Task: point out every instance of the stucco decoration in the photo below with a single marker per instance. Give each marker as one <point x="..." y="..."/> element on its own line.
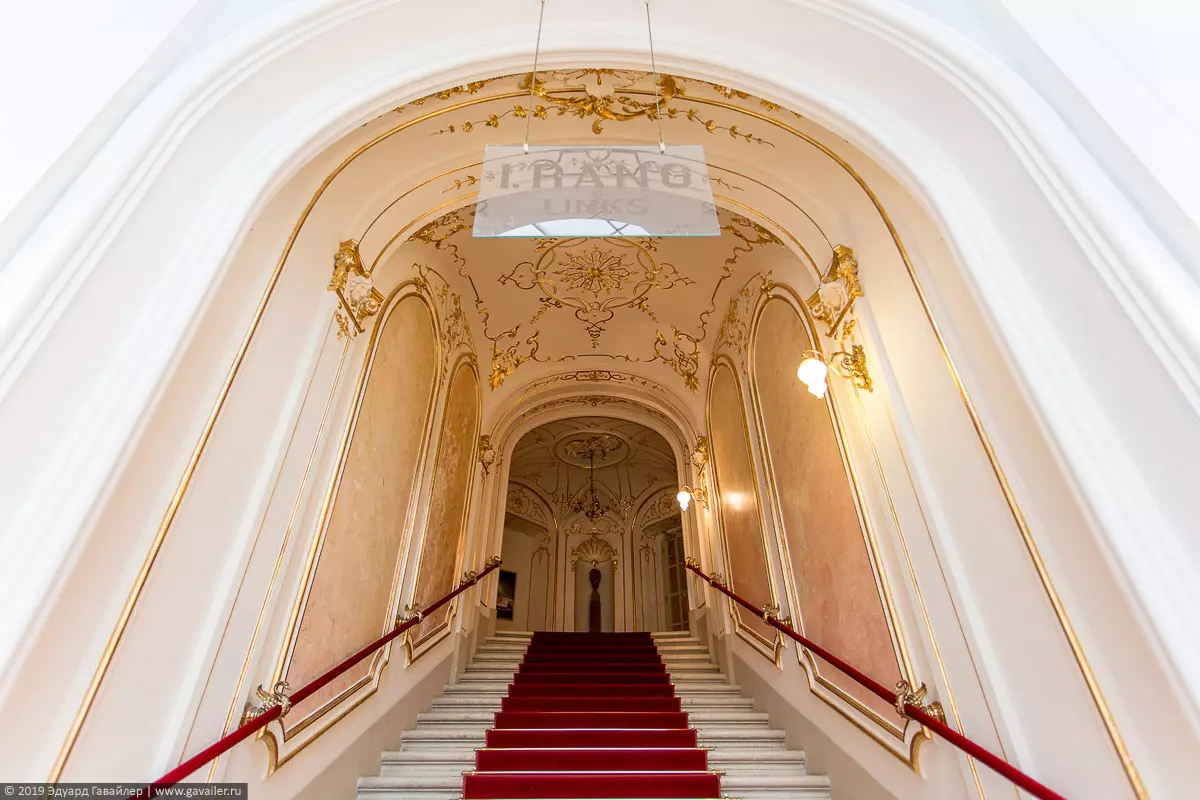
<point x="451" y="488"/>
<point x="348" y="604"/>
<point x="839" y="601"/>
<point x="741" y="519"/>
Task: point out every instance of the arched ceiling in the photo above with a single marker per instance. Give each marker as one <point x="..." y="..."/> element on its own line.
<point x="638" y="311"/>
<point x="632" y="464"/>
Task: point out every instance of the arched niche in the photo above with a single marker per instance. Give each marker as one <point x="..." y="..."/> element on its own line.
<point x="351" y="582"/>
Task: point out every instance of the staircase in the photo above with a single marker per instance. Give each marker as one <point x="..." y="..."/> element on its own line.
<point x="560" y="715"/>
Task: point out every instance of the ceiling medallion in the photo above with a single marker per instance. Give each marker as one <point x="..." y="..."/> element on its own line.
<point x="592" y="281"/>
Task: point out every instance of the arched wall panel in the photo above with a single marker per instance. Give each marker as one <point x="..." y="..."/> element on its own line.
<point x="448" y="498"/>
<point x="737" y="498"/>
<point x="349" y="600"/>
<point x="831" y="565"/>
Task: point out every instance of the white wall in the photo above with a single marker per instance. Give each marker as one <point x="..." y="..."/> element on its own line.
<point x="517" y="553"/>
<point x="135" y="302"/>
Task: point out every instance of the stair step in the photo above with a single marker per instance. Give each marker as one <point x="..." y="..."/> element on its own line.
<point x="539" y="681"/>
<point x="692" y="784"/>
<point x="604" y="759"/>
<point x="773" y="787"/>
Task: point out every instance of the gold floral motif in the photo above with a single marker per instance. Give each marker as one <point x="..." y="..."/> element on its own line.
<point x="461" y="183"/>
<point x="467" y="88"/>
<point x="594" y="271"/>
<point x="615" y="106"/>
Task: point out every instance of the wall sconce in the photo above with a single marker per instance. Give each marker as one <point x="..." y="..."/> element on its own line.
<point x="813" y="371"/>
<point x="684" y="498"/>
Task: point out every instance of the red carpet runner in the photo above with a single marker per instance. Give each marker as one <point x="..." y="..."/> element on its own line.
<point x="591" y="715"/>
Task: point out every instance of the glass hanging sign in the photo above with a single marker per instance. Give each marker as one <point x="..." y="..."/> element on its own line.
<point x="572" y="190"/>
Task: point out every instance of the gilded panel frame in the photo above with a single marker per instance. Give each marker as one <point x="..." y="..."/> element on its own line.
<point x="415" y="649"/>
<point x="902" y="741"/>
<point x="772" y="650"/>
<point x="358" y="692"/>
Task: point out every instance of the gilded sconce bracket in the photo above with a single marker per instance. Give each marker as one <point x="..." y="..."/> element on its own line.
<point x="906" y="696"/>
<point x="357" y="296"/>
<point x="852" y="365"/>
<point x="267" y="701"/>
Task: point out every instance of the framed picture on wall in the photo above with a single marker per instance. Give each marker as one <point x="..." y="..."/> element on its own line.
<point x="506" y="593"/>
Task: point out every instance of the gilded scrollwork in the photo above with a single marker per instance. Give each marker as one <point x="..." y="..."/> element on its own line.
<point x="852" y="364"/>
<point x="357" y="296"/>
<point x="467" y="88"/>
<point x="455" y="329"/>
<point x="684" y="354"/>
<point x="734" y="333"/>
<point x="593" y="376"/>
<point x="683" y="358"/>
<point x="621" y="103"/>
<point x="595" y="281"/>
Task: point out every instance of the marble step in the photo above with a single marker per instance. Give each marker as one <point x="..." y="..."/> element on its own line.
<point x="440" y="763"/>
<point x="758" y="760"/>
<point x="498" y="653"/>
<point x="766" y="786"/>
<point x="705" y="719"/>
<point x="492" y="702"/>
<point x="443" y="737"/>
<point x="719" y="739"/>
<point x="411" y="787"/>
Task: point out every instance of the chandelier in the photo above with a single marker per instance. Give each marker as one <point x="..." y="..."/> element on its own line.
<point x="590" y="506"/>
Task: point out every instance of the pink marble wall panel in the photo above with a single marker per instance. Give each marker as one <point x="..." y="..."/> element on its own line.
<point x="448" y="497"/>
<point x="347" y="606"/>
<point x="740" y="514"/>
<point x="839" y="599"/>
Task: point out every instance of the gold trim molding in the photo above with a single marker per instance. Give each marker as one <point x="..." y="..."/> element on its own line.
<point x="473" y="99"/>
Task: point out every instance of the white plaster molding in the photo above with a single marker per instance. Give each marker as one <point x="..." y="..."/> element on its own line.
<point x="78" y="245"/>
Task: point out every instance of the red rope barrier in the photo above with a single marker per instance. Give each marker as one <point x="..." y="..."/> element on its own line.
<point x="228" y="742"/>
<point x="1002" y="767"/>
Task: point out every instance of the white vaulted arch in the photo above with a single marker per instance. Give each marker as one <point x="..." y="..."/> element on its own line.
<point x="187" y="188"/>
